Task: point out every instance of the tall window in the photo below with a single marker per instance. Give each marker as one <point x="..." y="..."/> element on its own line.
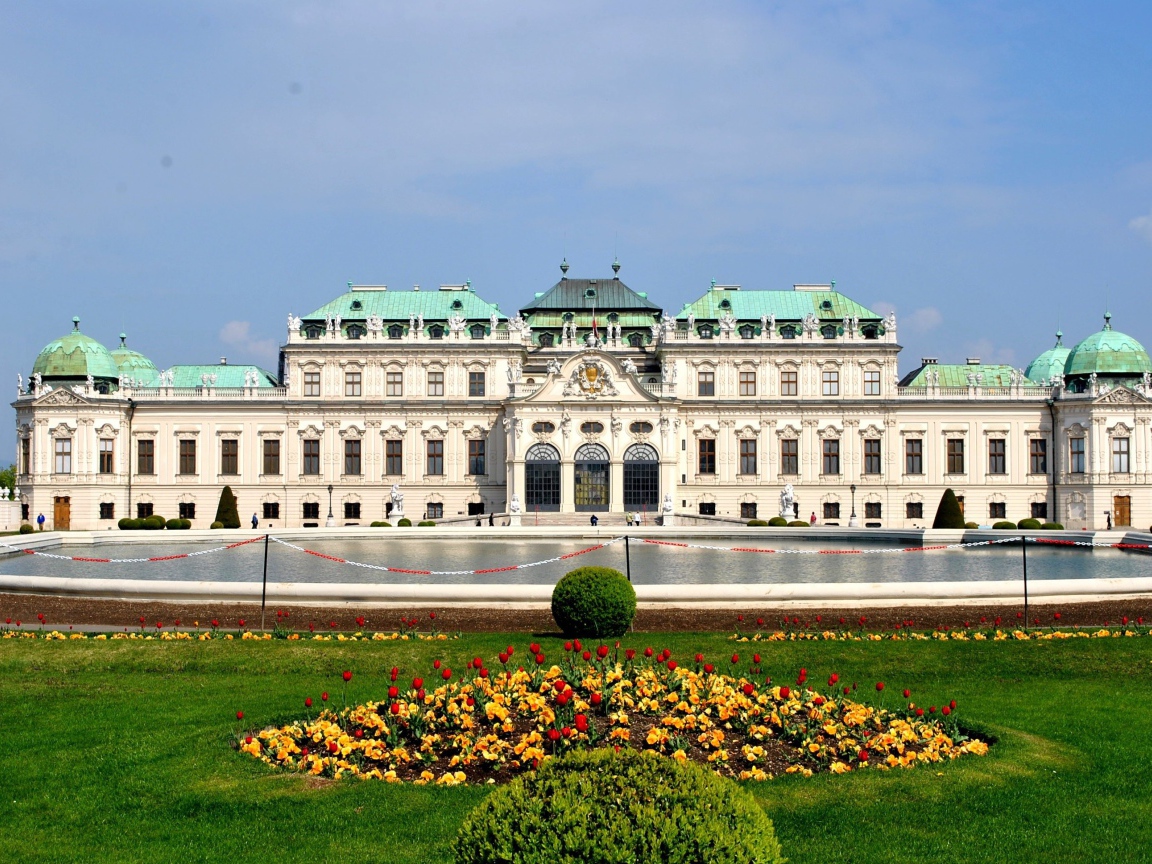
<point x="871" y="455"/>
<point x="1119" y="455"/>
<point x="873" y="510"/>
<point x="475" y="383"/>
<point x="229" y="456"/>
<point x="435" y="383"/>
<point x="311" y="455"/>
<point x="351" y="509"/>
<point x="186" y="509"/>
<point x="914" y="456"/>
<point x="747" y="455"/>
<point x="63" y="455"/>
<point x="789" y="382"/>
<point x="997" y="461"/>
<point x="352" y="457"/>
<point x="830" y="382"/>
<point x="831" y="509"/>
<point x="188" y="456"/>
<point x="395" y="383"/>
<point x="435" y="457"/>
<point x="271" y="509"/>
<point x="707" y="453"/>
<point x="311" y="383"/>
<point x="1038" y="455"/>
<point x="352" y="383"/>
<point x="106" y="451"/>
<point x="871" y="382"/>
<point x="271" y="455"/>
<point x="435" y="510"/>
<point x="997" y="510"/>
<point x="706" y="383"/>
<point x="394" y="457"/>
<point x="914" y="510"/>
<point x="107" y="510"/>
<point x="143" y="509"/>
<point x="955" y="455"/>
<point x="831" y="456"/>
<point x="1076" y="455"/>
<point x="146" y="456"/>
<point x="311" y="510"/>
<point x="789" y="456"/>
<point x="25" y="455"/>
<point x="747" y="383"/>
<point x="476" y="457"/>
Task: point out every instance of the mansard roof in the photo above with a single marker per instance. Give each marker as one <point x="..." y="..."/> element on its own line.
<point x="794" y="305"/>
<point x="360" y="302"/>
<point x="607" y="295"/>
<point x="956" y="375"/>
<point x="191" y="375"/>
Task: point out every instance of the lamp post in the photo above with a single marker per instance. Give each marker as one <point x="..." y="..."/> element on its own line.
<point x="852" y="521"/>
<point x="331" y="523"/>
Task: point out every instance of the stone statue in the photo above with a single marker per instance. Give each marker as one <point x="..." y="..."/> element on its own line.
<point x="89" y="383"/>
<point x="666" y="507"/>
<point x="890" y="323"/>
<point x="516" y="322"/>
<point x="629" y="366"/>
<point x="811" y="324"/>
<point x="20" y="384"/>
<point x="375" y="324"/>
<point x="493" y="320"/>
<point x="668" y="370"/>
<point x="514" y="504"/>
<point x="691" y="321"/>
<point x="456" y="323"/>
<point x="420" y="322"/>
<point x="553" y="366"/>
<point x="397" y="497"/>
<point x="655" y="328"/>
<point x="37" y="382"/>
<point x="727" y="322"/>
<point x="787" y="501"/>
<point x="617" y="425"/>
<point x="412" y="323"/>
<point x="771" y="325"/>
<point x="565" y="423"/>
<point x="515" y="371"/>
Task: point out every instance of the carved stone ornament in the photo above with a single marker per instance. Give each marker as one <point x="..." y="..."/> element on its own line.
<point x="62" y="397"/>
<point x="1120" y="396"/>
<point x="591" y="379"/>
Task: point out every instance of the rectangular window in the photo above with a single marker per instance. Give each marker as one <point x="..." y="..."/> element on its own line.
<point x="871" y="382"/>
<point x="395" y="383"/>
<point x="435" y="510"/>
<point x="271" y="509"/>
<point x="747" y="455"/>
<point x="229" y="456"/>
<point x="955" y="455"/>
<point x="789" y="456"/>
<point x="747" y="383"/>
<point x="830" y="382"/>
<point x="1040" y="510"/>
<point x="107" y="510"/>
<point x="748" y="510"/>
<point x="271" y="455"/>
<point x="476" y="457"/>
<point x="707" y="508"/>
<point x="311" y="383"/>
<point x="351" y="457"/>
<point x="435" y="463"/>
<point x="831" y="456"/>
<point x="475" y="383"/>
<point x="435" y="383"/>
<point x="1076" y="455"/>
<point x="25" y="455"/>
<point x="311" y="463"/>
<point x="914" y="510"/>
<point x="707" y="453"/>
<point x="871" y="455"/>
<point x="106" y="451"/>
<point x="311" y="510"/>
<point x="143" y="509"/>
<point x="63" y="455"/>
<point x="914" y="456"/>
<point x="1119" y="456"/>
<point x="706" y="384"/>
<point x="186" y="509"/>
<point x="789" y="383"/>
<point x="873" y="510"/>
<point x="188" y="456"/>
<point x="997" y="459"/>
<point x="997" y="510"/>
<point x="352" y="383"/>
<point x="394" y="457"/>
<point x="146" y="456"/>
<point x="832" y="510"/>
<point x="1038" y="455"/>
<point x="351" y="509"/>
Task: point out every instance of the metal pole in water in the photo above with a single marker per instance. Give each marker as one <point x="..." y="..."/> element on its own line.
<point x="627" y="559"/>
<point x="264" y="583"/>
<point x="1024" y="560"/>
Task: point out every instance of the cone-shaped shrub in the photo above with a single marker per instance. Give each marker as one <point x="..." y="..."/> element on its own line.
<point x="226" y="512"/>
<point x="948" y="514"/>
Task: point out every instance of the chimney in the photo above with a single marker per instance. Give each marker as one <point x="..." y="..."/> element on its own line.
<point x="929" y="361"/>
<point x="973" y="361"/>
<point x="223" y="361"/>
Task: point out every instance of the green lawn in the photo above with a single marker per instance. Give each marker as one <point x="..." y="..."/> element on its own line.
<point x="120" y="752"/>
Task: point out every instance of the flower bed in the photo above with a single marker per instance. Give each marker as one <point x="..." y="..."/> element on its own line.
<point x="486" y="727"/>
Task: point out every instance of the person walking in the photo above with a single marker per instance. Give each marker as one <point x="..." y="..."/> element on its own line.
<point x="255" y="522"/>
<point x="40" y="520"/>
<point x="812" y="519"/>
<point x="628" y="517"/>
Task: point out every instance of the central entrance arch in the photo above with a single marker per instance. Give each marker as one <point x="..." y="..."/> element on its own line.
<point x="542" y="479"/>
<point x="592" y="464"/>
<point x="641" y="478"/>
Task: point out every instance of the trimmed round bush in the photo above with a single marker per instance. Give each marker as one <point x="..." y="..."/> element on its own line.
<point x="172" y="524"/>
<point x="1004" y="525"/>
<point x="426" y="523"/>
<point x="971" y="524"/>
<point x="602" y="806"/>
<point x="185" y="524"/>
<point x="598" y="602"/>
<point x="127" y="524"/>
<point x="757" y="523"/>
<point x="216" y="525"/>
<point x="379" y="524"/>
<point x="777" y="522"/>
<point x="404" y="522"/>
<point x="26" y="528"/>
<point x="1051" y="526"/>
<point x="1029" y="524"/>
<point x="797" y="523"/>
<point x="155" y="522"/>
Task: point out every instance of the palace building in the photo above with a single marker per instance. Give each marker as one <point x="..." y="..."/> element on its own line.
<point x="591" y="398"/>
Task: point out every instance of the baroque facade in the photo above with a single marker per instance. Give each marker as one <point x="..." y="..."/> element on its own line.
<point x="590" y="398"/>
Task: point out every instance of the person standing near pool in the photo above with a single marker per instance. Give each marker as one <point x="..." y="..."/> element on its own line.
<point x="40" y="520"/>
<point x="255" y="522"/>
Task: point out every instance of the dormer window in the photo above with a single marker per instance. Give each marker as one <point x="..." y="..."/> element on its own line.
<point x="636" y="340"/>
<point x="788" y="331"/>
<point x="613" y="317"/>
<point x="589" y="293"/>
<point x="725" y="304"/>
<point x="568" y="316"/>
<point x="827" y="304"/>
<point x="747" y="331"/>
<point x="706" y="331"/>
<point x="355" y="331"/>
<point x="396" y="331"/>
<point x="435" y="332"/>
<point x="547" y="340"/>
<point x="456" y="304"/>
<point x="870" y="331"/>
<point x="313" y="331"/>
<point x="357" y="305"/>
<point x="828" y="331"/>
<point x="477" y="331"/>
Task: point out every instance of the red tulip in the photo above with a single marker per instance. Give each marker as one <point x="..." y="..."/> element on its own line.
<point x="562" y="699"/>
<point x="576" y="644"/>
<point x="420" y="695"/>
<point x="248" y="739"/>
<point x="630" y="653"/>
<point x="919" y="712"/>
<point x="833" y="678"/>
<point x="324" y="696"/>
<point x="879" y="686"/>
<point x="360" y="621"/>
<point x="952" y="704"/>
<point x="503" y="657"/>
<point x="862" y="755"/>
<point x="785" y="692"/>
<point x="567" y="646"/>
<point x="756" y="659"/>
<point x="432" y="616"/>
<point x="539" y="658"/>
<point x="735" y="658"/>
<point x="308" y="702"/>
<point x="509" y="651"/>
<point x="708" y="668"/>
<point x="749" y="689"/>
<point x="417" y="683"/>
<point x="581" y="723"/>
<point x="587" y="655"/>
<point x="435" y="664"/>
<point x="394" y="708"/>
<point x="393" y="692"/>
<point x="566" y="731"/>
<point x="359" y="733"/>
<point x="553" y="734"/>
<point x="846" y="691"/>
<point x="347" y="675"/>
<point x="945" y="710"/>
<point x="672" y="665"/>
<point x="446" y="674"/>
<point x="907" y="692"/>
<point x="239" y="715"/>
<point x="332" y="747"/>
<point x="932" y="709"/>
<point x="534" y="648"/>
<point x="647" y="652"/>
<point x="241" y="622"/>
<point x="759" y="622"/>
<point x="483" y="673"/>
<point x="477" y="662"/>
<point x="699" y="658"/>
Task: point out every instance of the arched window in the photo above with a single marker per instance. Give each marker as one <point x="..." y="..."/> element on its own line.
<point x="747" y="331"/>
<point x="547" y="340"/>
<point x="436" y="332"/>
<point x="542" y="478"/>
<point x="313" y="331"/>
<point x="641" y="477"/>
<point x="591" y="468"/>
<point x="828" y="331"/>
<point x="870" y="331"/>
<point x="636" y="340"/>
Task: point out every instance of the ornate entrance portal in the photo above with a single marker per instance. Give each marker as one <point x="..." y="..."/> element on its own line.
<point x="592" y="464"/>
<point x="542" y="479"/>
<point x="641" y="478"/>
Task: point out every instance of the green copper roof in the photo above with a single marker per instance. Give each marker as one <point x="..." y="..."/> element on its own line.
<point x="398" y="305"/>
<point x="75" y="356"/>
<point x="133" y="364"/>
<point x="1108" y="352"/>
<point x="226" y="376"/>
<point x="583" y="319"/>
<point x="956" y="375"/>
<point x="785" y="305"/>
<point x="1049" y="364"/>
<point x="601" y="294"/>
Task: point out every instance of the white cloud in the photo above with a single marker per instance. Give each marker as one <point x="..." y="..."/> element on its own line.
<point x="917" y="322"/>
<point x="238" y="334"/>
<point x="1142" y="225"/>
<point x="989" y="353"/>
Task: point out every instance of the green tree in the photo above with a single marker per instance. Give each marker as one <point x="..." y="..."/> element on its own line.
<point x="7" y="480"/>
<point x="948" y="514"/>
<point x="226" y="512"/>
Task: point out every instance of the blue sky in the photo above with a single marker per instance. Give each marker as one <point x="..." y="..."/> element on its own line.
<point x="192" y="172"/>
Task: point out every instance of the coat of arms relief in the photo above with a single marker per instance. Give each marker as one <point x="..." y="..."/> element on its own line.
<point x="591" y="379"/>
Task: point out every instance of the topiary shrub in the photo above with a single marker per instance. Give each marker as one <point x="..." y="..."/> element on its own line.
<point x="1029" y="524"/>
<point x="1051" y="526"/>
<point x="127" y="524"/>
<point x="594" y="601"/>
<point x="404" y="522"/>
<point x="1004" y="525"/>
<point x="185" y="524"/>
<point x="216" y="525"/>
<point x="380" y="525"/>
<point x="173" y="525"/>
<point x="971" y="524"/>
<point x="797" y="523"/>
<point x="426" y="523"/>
<point x="757" y="523"/>
<point x="226" y="513"/>
<point x="603" y="806"/>
<point x="155" y="522"/>
<point x="948" y="514"/>
<point x="26" y="528"/>
<point x="777" y="522"/>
